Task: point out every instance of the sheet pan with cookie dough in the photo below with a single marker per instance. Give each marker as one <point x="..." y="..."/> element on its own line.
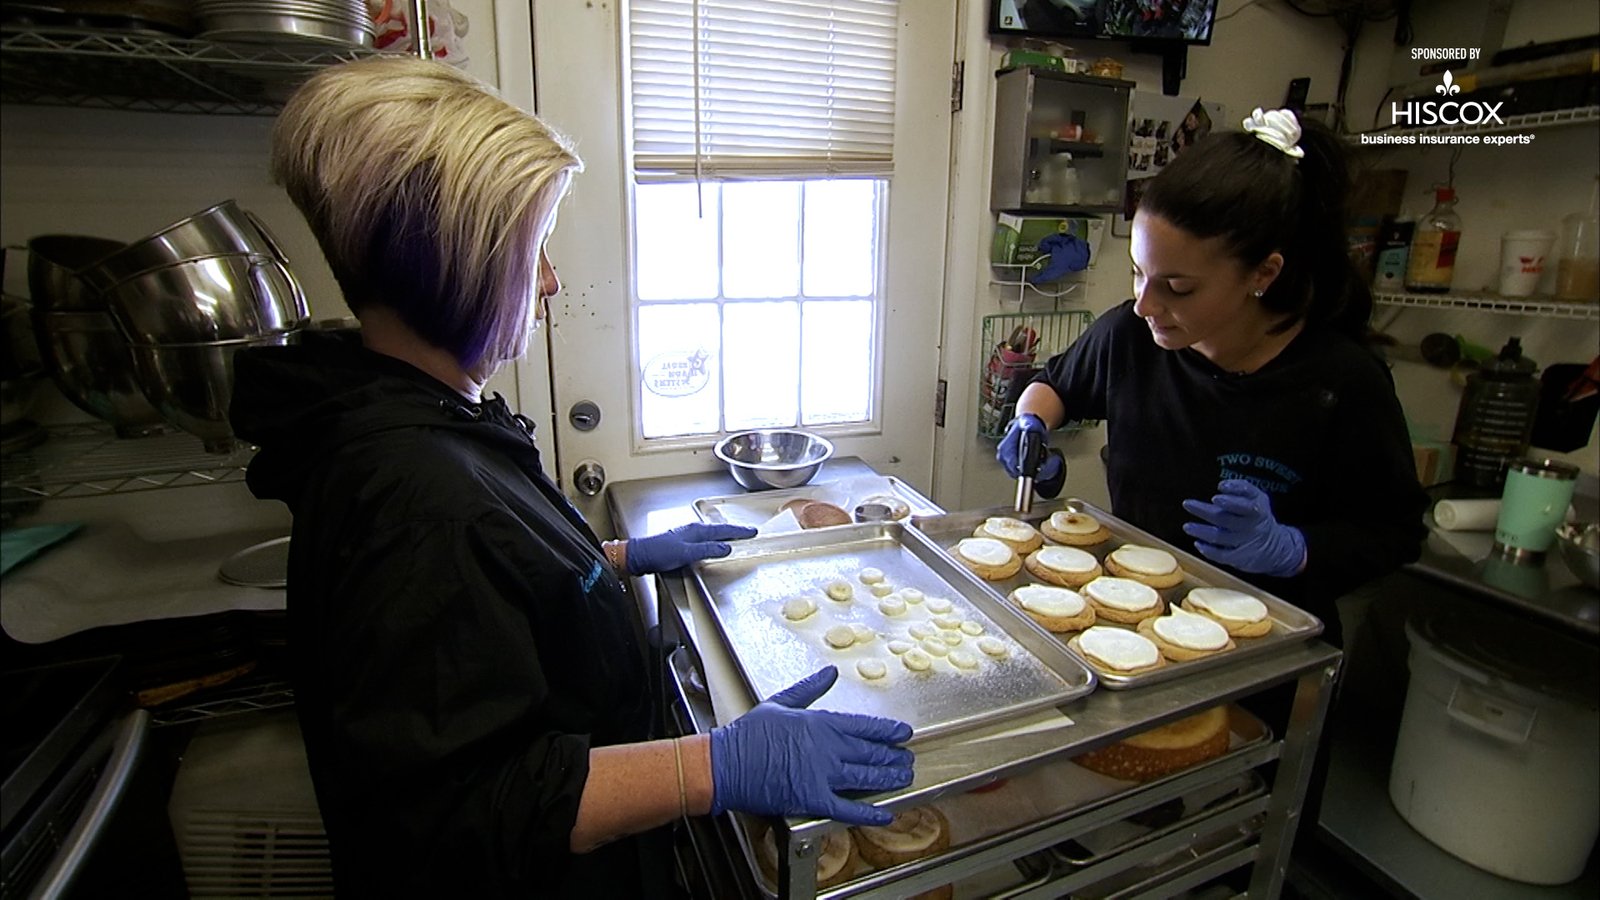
<point x="899" y="501"/>
<point x="1282" y="622"/>
<point x="915" y="636"/>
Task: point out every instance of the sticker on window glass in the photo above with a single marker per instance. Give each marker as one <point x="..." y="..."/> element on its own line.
<point x="677" y="373"/>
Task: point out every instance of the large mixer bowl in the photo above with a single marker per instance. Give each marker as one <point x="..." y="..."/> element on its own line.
<point x="192" y="384"/>
<point x="90" y="362"/>
<point x="222" y="230"/>
<point x="54" y="261"/>
<point x="220" y="298"/>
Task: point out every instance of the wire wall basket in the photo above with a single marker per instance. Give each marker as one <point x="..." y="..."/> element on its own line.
<point x="1014" y="348"/>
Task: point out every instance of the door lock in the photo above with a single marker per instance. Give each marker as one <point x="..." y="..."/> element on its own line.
<point x="589" y="478"/>
<point x="584" y="415"/>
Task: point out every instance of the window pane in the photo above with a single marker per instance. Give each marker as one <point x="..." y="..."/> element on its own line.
<point x="841" y="238"/>
<point x="762" y="354"/>
<point x="836" y="363"/>
<point x="761" y="239"/>
<point x="678" y="359"/>
<point x="676" y="246"/>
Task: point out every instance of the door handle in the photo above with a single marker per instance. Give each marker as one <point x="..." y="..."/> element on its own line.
<point x="589" y="478"/>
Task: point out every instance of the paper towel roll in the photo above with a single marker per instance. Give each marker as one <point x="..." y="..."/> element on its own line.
<point x="1466" y="515"/>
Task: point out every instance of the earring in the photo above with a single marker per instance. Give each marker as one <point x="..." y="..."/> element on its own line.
<point x="1257" y="294"/>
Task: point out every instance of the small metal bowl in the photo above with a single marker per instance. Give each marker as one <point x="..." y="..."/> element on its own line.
<point x="1580" y="547"/>
<point x="773" y="458"/>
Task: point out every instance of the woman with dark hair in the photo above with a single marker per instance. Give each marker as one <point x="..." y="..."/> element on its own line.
<point x="467" y="671"/>
<point x="1245" y="417"/>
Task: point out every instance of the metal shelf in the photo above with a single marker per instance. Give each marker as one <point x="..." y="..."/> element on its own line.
<point x="1523" y="306"/>
<point x="91" y="461"/>
<point x="153" y="73"/>
<point x="252" y="695"/>
<point x="1552" y="119"/>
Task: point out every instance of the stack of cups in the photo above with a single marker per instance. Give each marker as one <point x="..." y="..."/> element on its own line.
<point x="1522" y="256"/>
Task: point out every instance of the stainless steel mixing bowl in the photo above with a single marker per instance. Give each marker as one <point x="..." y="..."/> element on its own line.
<point x="1580" y="547"/>
<point x="89" y="360"/>
<point x="221" y="298"/>
<point x="192" y="384"/>
<point x="54" y="261"/>
<point x="222" y="230"/>
<point x="769" y="458"/>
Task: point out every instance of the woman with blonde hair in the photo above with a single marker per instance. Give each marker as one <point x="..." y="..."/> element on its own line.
<point x="468" y="672"/>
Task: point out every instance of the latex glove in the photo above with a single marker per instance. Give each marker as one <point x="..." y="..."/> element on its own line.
<point x="781" y="759"/>
<point x="1011" y="445"/>
<point x="682" y="545"/>
<point x="1242" y="532"/>
<point x="1068" y="253"/>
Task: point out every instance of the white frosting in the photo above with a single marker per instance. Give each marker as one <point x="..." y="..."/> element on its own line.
<point x="840" y="590"/>
<point x="869" y="575"/>
<point x="1145" y="560"/>
<point x="864" y="634"/>
<point x="1074" y="523"/>
<point x="1066" y="559"/>
<point x="1119" y="648"/>
<point x="1235" y="606"/>
<point x="992" y="646"/>
<point x="840" y="636"/>
<point x="920" y="630"/>
<point x="963" y="659"/>
<point x="947" y="621"/>
<point x="1191" y="631"/>
<point x="872" y="669"/>
<point x="881" y="589"/>
<point x="1008" y="529"/>
<point x="797" y="608"/>
<point x="935" y="647"/>
<point x="916" y="660"/>
<point x="912" y="830"/>
<point x="938" y="605"/>
<point x="985" y="551"/>
<point x="911" y="595"/>
<point x="892" y="606"/>
<point x="952" y="638"/>
<point x="1046" y="600"/>
<point x="972" y="629"/>
<point x="1122" y="593"/>
<point x="899" y="647"/>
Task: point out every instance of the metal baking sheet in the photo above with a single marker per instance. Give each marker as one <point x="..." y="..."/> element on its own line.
<point x="746" y="590"/>
<point x="1289" y="622"/>
<point x="756" y="507"/>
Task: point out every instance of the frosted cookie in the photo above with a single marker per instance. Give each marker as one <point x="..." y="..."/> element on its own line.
<point x="963" y="659"/>
<point x="993" y="646"/>
<point x="913" y="834"/>
<point x="1075" y="528"/>
<point x="835" y="865"/>
<point x="939" y="605"/>
<point x="797" y="608"/>
<point x="1064" y="566"/>
<point x="840" y="636"/>
<point x="864" y="634"/>
<point x="869" y="575"/>
<point x="992" y="560"/>
<point x="1184" y="635"/>
<point x="1240" y="613"/>
<point x="1123" y="599"/>
<point x="1056" y="609"/>
<point x="1014" y="533"/>
<point x="892" y="606"/>
<point x="839" y="590"/>
<point x="911" y="596"/>
<point x="917" y="660"/>
<point x="1157" y="568"/>
<point x="871" y="669"/>
<point x="1117" y="651"/>
<point x="971" y="628"/>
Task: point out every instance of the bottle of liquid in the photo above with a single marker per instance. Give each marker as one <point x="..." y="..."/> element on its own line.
<point x="1495" y="419"/>
<point x="1063" y="176"/>
<point x="1578" y="271"/>
<point x="1432" y="261"/>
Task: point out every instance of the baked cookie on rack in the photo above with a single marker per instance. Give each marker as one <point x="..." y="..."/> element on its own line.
<point x="1064" y="566"/>
<point x="1163" y="750"/>
<point x="1240" y="613"/>
<point x="1117" y="651"/>
<point x="914" y="834"/>
<point x="1057" y="609"/>
<point x="1014" y="533"/>
<point x="835" y="865"/>
<point x="991" y="559"/>
<point x="1154" y="567"/>
<point x="1183" y="635"/>
<point x="1123" y="600"/>
<point x="1075" y="528"/>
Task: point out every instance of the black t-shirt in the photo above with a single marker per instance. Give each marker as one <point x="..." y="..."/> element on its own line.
<point x="1318" y="428"/>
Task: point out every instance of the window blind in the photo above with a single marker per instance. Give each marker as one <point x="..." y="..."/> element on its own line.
<point x="751" y="89"/>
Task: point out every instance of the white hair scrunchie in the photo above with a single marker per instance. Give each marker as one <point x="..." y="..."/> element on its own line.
<point x="1277" y="127"/>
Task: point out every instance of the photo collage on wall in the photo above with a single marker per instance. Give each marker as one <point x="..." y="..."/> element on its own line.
<point x="1159" y="128"/>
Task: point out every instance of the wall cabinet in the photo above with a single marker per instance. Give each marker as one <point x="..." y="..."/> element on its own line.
<point x="1060" y="142"/>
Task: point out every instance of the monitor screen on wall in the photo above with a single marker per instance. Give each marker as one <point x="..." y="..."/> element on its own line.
<point x="1183" y="21"/>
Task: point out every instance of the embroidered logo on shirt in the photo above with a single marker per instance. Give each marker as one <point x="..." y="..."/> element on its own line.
<point x="1268" y="474"/>
<point x="591" y="579"/>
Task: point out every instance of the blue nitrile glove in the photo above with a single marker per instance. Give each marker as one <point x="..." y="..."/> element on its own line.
<point x="781" y="759"/>
<point x="1243" y="533"/>
<point x="1068" y="254"/>
<point x="1010" y="446"/>
<point x="682" y="545"/>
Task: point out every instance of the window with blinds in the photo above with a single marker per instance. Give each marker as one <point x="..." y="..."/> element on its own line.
<point x="762" y="135"/>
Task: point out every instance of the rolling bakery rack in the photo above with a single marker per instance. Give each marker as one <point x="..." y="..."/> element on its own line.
<point x="1128" y="842"/>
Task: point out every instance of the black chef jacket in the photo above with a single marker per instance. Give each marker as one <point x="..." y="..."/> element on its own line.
<point x="1318" y="428"/>
<point x="458" y="641"/>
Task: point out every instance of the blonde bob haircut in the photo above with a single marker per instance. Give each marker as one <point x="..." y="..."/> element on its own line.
<point x="428" y="194"/>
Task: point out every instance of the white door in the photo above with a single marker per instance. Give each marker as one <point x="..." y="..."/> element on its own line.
<point x="578" y="71"/>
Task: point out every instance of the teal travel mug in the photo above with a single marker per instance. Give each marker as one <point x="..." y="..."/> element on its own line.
<point x="1534" y="503"/>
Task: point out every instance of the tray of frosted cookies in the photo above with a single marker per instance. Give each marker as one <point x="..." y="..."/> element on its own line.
<point x="1137" y="610"/>
<point x="915" y="636"/>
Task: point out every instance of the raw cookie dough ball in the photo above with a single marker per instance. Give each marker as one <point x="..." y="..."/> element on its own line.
<point x="882" y="589"/>
<point x="869" y="575"/>
<point x="912" y="595"/>
<point x="872" y="669"/>
<point x="949" y="623"/>
<point x="863" y="633"/>
<point x="840" y="636"/>
<point x="922" y="630"/>
<point x="939" y="605"/>
<point x="952" y="638"/>
<point x="899" y="647"/>
<point x="797" y="608"/>
<point x="971" y="629"/>
<point x="963" y="659"/>
<point x="992" y="646"/>
<point x="916" y="660"/>
<point x="840" y="590"/>
<point x="892" y="606"/>
<point x="935" y="647"/>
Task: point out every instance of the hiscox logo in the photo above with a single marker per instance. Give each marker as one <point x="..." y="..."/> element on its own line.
<point x="1445" y="112"/>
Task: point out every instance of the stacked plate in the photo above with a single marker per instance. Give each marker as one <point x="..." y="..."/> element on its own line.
<point x="324" y="22"/>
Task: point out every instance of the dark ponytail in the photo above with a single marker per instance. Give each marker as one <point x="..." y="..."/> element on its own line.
<point x="1259" y="199"/>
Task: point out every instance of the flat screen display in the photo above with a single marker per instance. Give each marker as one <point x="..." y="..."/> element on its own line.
<point x="1183" y="21"/>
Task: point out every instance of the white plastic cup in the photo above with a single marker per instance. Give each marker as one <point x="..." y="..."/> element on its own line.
<point x="1522" y="256"/>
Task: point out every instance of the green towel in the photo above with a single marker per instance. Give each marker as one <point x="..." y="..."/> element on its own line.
<point x="18" y="545"/>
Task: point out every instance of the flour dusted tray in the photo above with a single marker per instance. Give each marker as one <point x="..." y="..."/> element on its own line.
<point x="746" y="592"/>
<point x="757" y="507"/>
<point x="1290" y="624"/>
